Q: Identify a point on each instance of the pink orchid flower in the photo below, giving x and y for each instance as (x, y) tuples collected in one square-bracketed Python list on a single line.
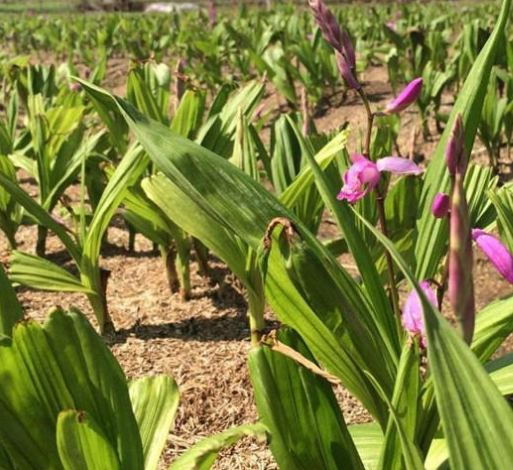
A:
[(408, 96), (496, 252), (363, 175), (412, 317)]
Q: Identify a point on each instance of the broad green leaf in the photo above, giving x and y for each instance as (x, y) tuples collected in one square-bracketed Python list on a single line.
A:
[(410, 452), (39, 273), (325, 317), (368, 439), (189, 114), (130, 168), (6, 462), (139, 93), (429, 244), (10, 308), (196, 222), (154, 401), (479, 182), (398, 448), (63, 365), (218, 132), (437, 457), (217, 189), (300, 410), (202, 455), (89, 361), (82, 445)]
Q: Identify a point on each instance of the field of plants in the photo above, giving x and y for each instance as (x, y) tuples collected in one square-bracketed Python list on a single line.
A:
[(257, 238)]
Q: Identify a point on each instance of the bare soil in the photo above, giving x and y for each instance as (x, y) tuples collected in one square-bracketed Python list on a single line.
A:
[(203, 343)]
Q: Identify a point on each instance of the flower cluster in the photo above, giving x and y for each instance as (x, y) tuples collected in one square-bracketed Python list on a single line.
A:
[(461, 294)]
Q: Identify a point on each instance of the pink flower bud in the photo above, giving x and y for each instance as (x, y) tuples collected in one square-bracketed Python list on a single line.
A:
[(408, 96), (496, 252), (346, 71), (455, 150), (348, 49), (412, 317), (74, 86), (440, 206), (327, 23), (336, 36)]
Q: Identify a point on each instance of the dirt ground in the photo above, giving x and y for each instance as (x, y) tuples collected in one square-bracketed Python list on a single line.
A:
[(203, 343)]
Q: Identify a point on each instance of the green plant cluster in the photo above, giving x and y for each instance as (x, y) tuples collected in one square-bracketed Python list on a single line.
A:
[(190, 170)]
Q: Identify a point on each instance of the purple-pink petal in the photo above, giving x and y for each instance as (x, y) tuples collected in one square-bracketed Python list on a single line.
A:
[(408, 96), (398, 165), (412, 316), (496, 252), (361, 177), (440, 206)]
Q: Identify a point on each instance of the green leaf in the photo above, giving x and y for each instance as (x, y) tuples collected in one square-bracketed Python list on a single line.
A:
[(306, 177), (398, 447), (82, 445), (39, 273), (208, 184), (10, 308), (493, 325), (188, 116), (61, 366), (327, 316), (501, 372), (40, 215), (479, 183), (218, 132), (300, 410), (154, 401), (502, 199), (410, 452), (368, 438), (197, 222), (202, 455)]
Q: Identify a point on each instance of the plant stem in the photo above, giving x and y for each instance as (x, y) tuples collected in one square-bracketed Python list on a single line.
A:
[(256, 299), (42, 235), (380, 202), (445, 275), (370, 122)]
